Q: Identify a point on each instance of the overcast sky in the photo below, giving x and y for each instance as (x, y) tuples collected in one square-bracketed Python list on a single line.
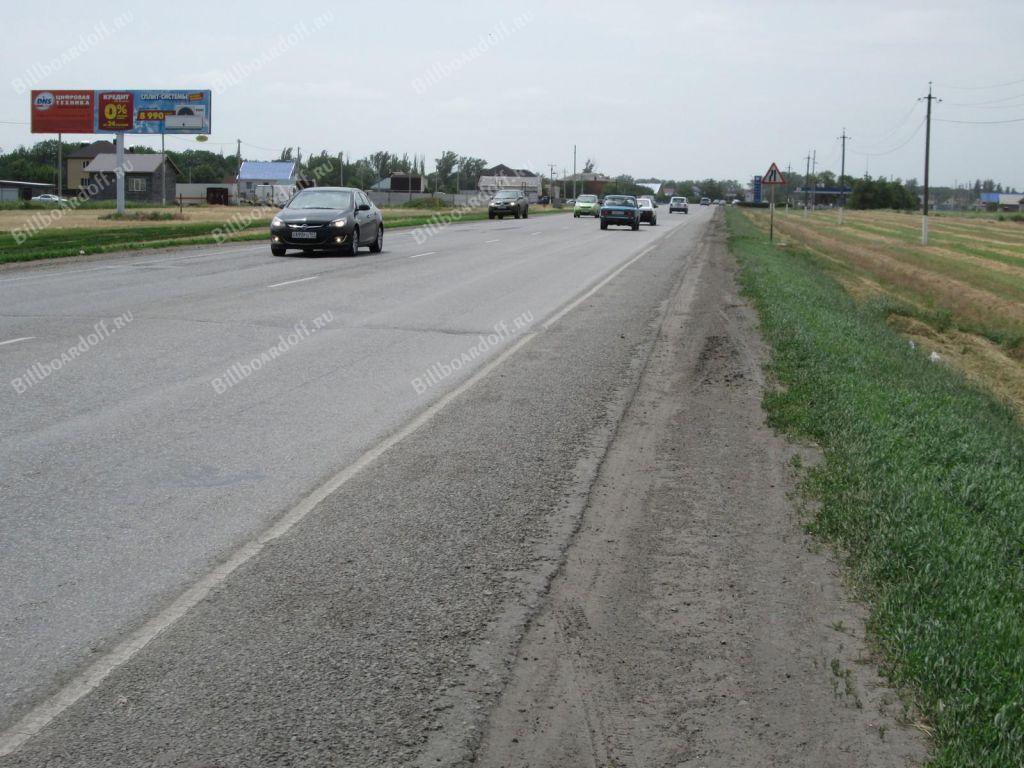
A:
[(667, 89)]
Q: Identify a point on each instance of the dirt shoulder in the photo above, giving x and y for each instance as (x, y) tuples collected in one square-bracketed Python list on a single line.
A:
[(693, 622)]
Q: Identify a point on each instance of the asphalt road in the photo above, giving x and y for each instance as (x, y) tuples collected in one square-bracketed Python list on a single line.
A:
[(143, 465)]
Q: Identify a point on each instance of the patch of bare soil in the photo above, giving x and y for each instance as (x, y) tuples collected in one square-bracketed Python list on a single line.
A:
[(694, 623)]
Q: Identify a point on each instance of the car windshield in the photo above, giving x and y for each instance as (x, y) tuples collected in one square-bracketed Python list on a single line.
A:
[(645, 203), (620, 200), (678, 199), (587, 199), (506, 196), (322, 198)]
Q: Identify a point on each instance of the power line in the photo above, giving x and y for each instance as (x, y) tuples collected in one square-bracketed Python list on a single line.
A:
[(981, 122), (990, 101), (903, 121), (979, 87), (896, 148)]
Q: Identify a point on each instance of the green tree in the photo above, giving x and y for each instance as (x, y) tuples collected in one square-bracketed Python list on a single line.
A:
[(443, 167)]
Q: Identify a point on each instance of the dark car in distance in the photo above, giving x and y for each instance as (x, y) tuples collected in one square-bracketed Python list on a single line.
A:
[(508, 202), (621, 211), (339, 219)]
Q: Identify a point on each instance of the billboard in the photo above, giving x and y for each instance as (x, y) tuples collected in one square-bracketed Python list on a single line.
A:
[(63, 111), (124, 111)]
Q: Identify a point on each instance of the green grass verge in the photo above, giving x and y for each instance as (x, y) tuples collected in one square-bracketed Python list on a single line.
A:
[(922, 488), (57, 243)]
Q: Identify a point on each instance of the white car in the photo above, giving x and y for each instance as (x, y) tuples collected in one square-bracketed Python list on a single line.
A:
[(48, 198), (678, 204)]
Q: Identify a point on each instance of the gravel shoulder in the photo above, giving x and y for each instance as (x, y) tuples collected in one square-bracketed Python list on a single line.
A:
[(693, 622)]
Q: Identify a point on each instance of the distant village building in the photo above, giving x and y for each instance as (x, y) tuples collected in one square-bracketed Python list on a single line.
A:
[(400, 182), (503, 177), (1001, 201), (586, 184), (148, 178), (11, 191), (255, 173), (76, 175)]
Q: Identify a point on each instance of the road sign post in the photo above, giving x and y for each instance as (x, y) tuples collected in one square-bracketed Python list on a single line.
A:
[(772, 178)]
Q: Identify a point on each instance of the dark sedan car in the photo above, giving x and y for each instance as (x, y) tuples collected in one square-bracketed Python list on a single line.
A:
[(327, 218), (508, 202), (620, 210)]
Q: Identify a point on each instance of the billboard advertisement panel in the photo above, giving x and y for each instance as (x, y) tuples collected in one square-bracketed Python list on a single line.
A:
[(62, 112), (121, 111), (153, 111)]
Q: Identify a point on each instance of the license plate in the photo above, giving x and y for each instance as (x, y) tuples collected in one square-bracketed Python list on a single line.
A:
[(304, 235)]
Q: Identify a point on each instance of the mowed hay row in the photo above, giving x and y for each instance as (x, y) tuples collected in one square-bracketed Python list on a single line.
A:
[(998, 252), (973, 308), (986, 239), (997, 277)]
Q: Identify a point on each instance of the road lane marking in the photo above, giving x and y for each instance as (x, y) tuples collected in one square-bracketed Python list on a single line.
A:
[(43, 714), (536, 233), (575, 303), (428, 253), (497, 240), (15, 341), (292, 282)]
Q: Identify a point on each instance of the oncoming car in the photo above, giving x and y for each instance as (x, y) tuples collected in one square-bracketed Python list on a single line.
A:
[(508, 202), (327, 218), (620, 210), (586, 205)]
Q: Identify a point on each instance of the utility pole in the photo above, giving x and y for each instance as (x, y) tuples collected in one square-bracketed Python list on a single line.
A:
[(814, 173), (341, 169), (927, 153), (842, 173), (551, 181), (574, 170), (789, 170), (807, 180)]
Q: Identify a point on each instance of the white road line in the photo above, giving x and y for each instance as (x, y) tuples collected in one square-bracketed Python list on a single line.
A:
[(536, 233), (428, 253), (43, 714), (498, 240), (15, 341), (292, 282), (575, 303)]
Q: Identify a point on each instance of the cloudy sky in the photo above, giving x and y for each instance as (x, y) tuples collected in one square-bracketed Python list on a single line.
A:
[(667, 89)]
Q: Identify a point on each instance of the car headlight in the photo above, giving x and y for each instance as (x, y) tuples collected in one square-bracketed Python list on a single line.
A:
[(340, 222), (276, 222)]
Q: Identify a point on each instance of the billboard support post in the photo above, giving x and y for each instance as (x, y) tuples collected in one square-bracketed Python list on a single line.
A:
[(60, 165), (163, 171), (120, 172)]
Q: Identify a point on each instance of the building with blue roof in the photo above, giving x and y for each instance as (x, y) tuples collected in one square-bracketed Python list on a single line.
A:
[(253, 173)]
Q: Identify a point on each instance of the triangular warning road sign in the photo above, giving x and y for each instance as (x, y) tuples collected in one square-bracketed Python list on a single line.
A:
[(774, 176)]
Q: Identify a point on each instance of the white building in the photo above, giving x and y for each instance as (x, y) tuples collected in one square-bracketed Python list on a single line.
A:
[(503, 177)]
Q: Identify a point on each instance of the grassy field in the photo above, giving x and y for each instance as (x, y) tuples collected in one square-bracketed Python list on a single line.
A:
[(86, 231), (921, 488), (962, 296)]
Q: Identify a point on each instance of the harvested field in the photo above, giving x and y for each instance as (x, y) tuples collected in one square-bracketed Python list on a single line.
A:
[(961, 296)]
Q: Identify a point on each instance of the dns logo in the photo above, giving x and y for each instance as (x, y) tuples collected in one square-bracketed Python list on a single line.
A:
[(43, 101)]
